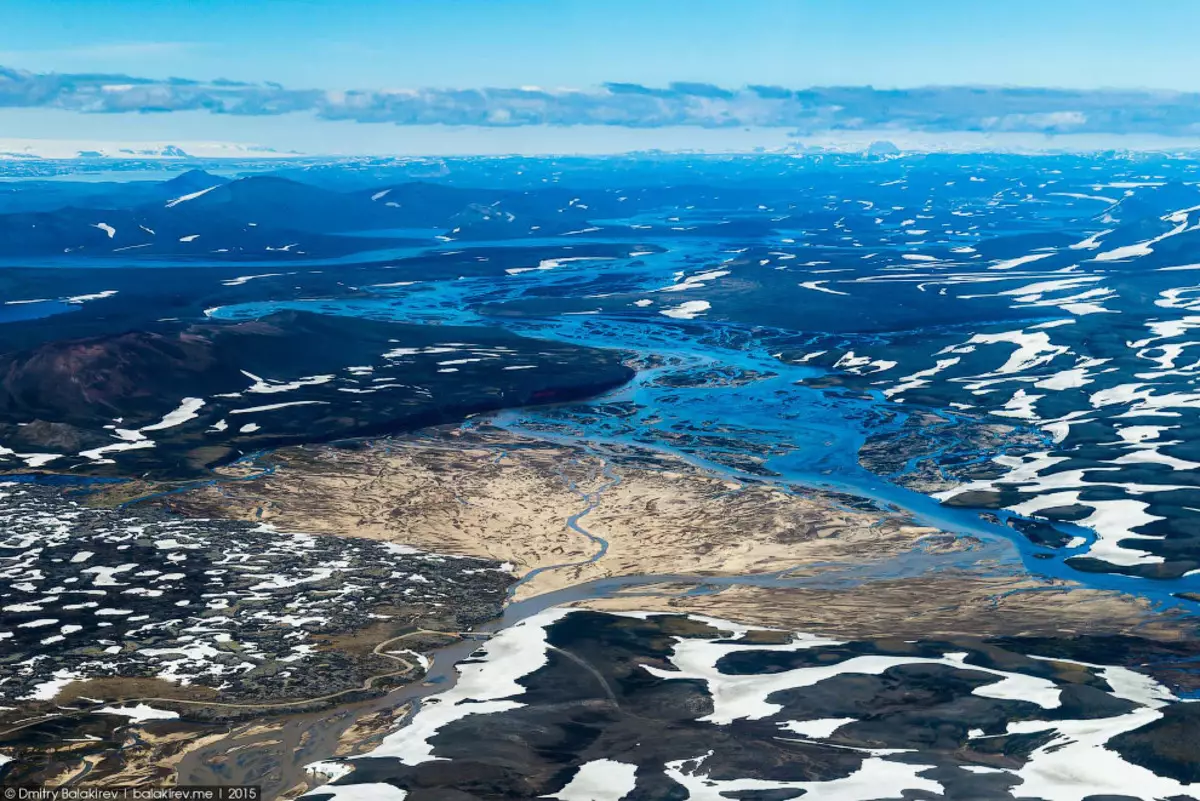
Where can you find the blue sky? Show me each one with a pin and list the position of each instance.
(382, 45)
(386, 43)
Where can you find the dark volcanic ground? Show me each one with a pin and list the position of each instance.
(98, 592)
(177, 398)
(671, 707)
(111, 614)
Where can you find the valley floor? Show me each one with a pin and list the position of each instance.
(614, 529)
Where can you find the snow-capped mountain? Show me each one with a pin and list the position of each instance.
(90, 149)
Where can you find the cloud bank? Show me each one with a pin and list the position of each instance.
(937, 109)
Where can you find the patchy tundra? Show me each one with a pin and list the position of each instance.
(229, 611)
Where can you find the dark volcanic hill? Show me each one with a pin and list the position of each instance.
(197, 215)
(30, 196)
(180, 397)
(159, 231)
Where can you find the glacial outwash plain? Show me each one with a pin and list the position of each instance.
(824, 476)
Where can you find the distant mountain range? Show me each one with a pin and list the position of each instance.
(89, 149)
(197, 214)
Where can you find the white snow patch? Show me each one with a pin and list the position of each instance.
(599, 780)
(688, 310)
(486, 685)
(139, 713)
(819, 729)
(186, 411)
(192, 196)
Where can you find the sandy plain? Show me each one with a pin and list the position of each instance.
(564, 515)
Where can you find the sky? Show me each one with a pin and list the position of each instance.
(383, 45)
